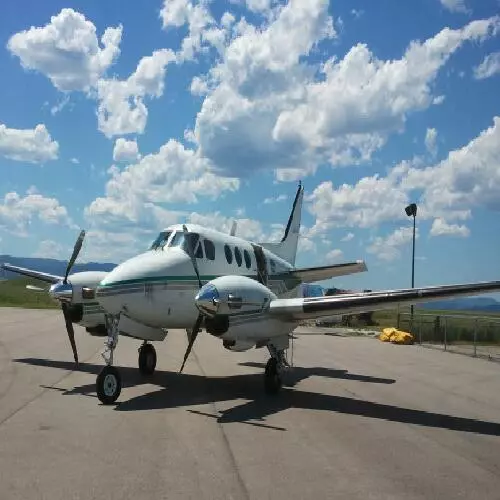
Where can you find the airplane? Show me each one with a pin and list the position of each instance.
(243, 293)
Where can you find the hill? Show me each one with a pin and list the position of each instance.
(486, 304)
(52, 266)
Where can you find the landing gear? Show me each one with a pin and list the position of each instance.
(147, 359)
(276, 368)
(108, 383)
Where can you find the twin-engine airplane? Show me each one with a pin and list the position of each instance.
(243, 293)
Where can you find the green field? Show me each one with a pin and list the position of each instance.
(13, 293)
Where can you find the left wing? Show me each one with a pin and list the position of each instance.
(48, 278)
(315, 307)
(312, 274)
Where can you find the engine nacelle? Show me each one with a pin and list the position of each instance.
(237, 345)
(233, 295)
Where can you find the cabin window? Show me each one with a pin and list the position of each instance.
(209, 250)
(246, 256)
(237, 256)
(229, 254)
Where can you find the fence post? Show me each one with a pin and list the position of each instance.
(420, 329)
(445, 332)
(475, 337)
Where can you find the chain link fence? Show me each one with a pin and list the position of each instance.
(462, 333)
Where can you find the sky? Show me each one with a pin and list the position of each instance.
(122, 120)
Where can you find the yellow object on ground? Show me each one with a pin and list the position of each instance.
(396, 336)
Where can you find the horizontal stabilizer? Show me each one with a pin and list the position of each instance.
(312, 274)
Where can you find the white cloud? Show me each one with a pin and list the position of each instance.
(277, 199)
(430, 141)
(75, 161)
(173, 175)
(489, 67)
(29, 145)
(455, 5)
(441, 228)
(469, 177)
(348, 237)
(126, 151)
(388, 248)
(121, 102)
(267, 107)
(67, 50)
(334, 255)
(17, 212)
(53, 250)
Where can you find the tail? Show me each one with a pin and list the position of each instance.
(287, 247)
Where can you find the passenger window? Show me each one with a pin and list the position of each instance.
(237, 256)
(248, 262)
(229, 254)
(209, 250)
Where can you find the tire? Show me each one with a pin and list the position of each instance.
(272, 379)
(147, 359)
(108, 385)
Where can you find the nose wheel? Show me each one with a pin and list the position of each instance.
(108, 385)
(147, 359)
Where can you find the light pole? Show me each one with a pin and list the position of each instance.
(411, 211)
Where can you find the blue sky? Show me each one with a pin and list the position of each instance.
(123, 119)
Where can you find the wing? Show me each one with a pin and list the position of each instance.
(312, 274)
(315, 307)
(48, 278)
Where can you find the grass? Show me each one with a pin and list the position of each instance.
(13, 293)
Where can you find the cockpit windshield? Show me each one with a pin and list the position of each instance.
(161, 240)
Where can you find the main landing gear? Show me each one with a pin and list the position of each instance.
(276, 369)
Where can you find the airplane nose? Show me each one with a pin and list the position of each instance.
(61, 291)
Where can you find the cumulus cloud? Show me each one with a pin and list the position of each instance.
(67, 50)
(172, 175)
(126, 151)
(52, 249)
(18, 212)
(348, 237)
(334, 255)
(268, 107)
(389, 248)
(28, 145)
(430, 141)
(441, 228)
(122, 109)
(455, 5)
(468, 177)
(489, 67)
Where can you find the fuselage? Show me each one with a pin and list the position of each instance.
(158, 287)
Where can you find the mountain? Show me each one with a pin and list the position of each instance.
(466, 304)
(52, 266)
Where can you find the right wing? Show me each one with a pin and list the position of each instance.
(48, 278)
(316, 307)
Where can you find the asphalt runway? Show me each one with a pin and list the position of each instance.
(365, 420)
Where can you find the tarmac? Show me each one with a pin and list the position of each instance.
(364, 420)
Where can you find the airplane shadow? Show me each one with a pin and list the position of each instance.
(181, 390)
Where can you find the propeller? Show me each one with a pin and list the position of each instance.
(190, 250)
(63, 291)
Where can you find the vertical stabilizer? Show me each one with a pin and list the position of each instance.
(287, 247)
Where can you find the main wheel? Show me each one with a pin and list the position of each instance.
(272, 379)
(147, 359)
(108, 385)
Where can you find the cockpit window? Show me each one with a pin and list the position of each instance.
(161, 240)
(183, 240)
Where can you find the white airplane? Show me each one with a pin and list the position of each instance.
(243, 293)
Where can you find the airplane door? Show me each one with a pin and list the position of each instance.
(260, 258)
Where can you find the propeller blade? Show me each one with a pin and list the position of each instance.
(194, 334)
(76, 251)
(189, 242)
(35, 288)
(70, 330)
